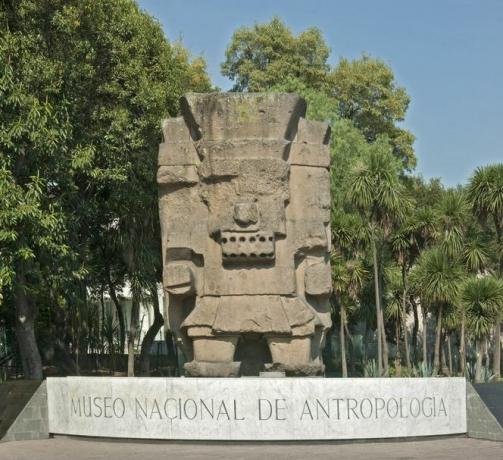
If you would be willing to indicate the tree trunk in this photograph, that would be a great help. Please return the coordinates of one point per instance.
(415, 329)
(63, 357)
(365, 342)
(398, 356)
(102, 328)
(425, 336)
(462, 347)
(120, 315)
(436, 358)
(385, 350)
(449, 354)
(135, 310)
(349, 341)
(404, 319)
(497, 329)
(343, 344)
(26, 313)
(149, 338)
(497, 349)
(478, 362)
(378, 308)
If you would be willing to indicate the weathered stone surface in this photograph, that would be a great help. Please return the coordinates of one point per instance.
(256, 408)
(32, 421)
(177, 175)
(245, 209)
(230, 116)
(482, 424)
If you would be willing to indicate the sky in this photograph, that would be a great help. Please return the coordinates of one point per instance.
(448, 54)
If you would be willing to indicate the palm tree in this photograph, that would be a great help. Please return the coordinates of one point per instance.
(436, 279)
(483, 301)
(485, 193)
(375, 189)
(339, 283)
(420, 231)
(475, 257)
(453, 217)
(348, 272)
(394, 310)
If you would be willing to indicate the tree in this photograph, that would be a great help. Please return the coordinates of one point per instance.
(33, 227)
(483, 300)
(99, 76)
(269, 57)
(485, 193)
(264, 55)
(375, 190)
(394, 309)
(348, 271)
(368, 95)
(453, 218)
(402, 243)
(436, 279)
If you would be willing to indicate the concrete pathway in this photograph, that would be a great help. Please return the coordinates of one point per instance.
(63, 448)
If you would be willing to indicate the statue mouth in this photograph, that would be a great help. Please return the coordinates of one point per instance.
(247, 246)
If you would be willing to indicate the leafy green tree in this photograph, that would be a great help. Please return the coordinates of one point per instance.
(368, 95)
(436, 279)
(33, 226)
(375, 189)
(453, 218)
(87, 85)
(393, 307)
(348, 271)
(265, 55)
(482, 298)
(485, 193)
(269, 57)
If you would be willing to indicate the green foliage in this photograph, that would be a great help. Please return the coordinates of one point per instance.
(485, 192)
(453, 215)
(368, 95)
(374, 186)
(268, 57)
(424, 370)
(264, 55)
(393, 293)
(436, 277)
(84, 85)
(371, 369)
(33, 136)
(482, 298)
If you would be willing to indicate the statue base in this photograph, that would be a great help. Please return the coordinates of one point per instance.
(210, 369)
(297, 370)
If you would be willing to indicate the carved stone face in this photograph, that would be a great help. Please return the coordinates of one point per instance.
(246, 201)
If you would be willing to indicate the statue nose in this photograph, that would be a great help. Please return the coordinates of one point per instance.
(246, 213)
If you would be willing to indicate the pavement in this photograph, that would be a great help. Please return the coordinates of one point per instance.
(72, 448)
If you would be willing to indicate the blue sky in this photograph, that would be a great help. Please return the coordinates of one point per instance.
(448, 54)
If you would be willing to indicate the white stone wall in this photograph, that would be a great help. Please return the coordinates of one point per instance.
(255, 408)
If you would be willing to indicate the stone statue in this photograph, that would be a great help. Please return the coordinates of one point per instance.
(245, 215)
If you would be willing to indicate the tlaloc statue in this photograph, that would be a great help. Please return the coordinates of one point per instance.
(245, 216)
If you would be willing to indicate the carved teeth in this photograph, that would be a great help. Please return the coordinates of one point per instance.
(253, 246)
